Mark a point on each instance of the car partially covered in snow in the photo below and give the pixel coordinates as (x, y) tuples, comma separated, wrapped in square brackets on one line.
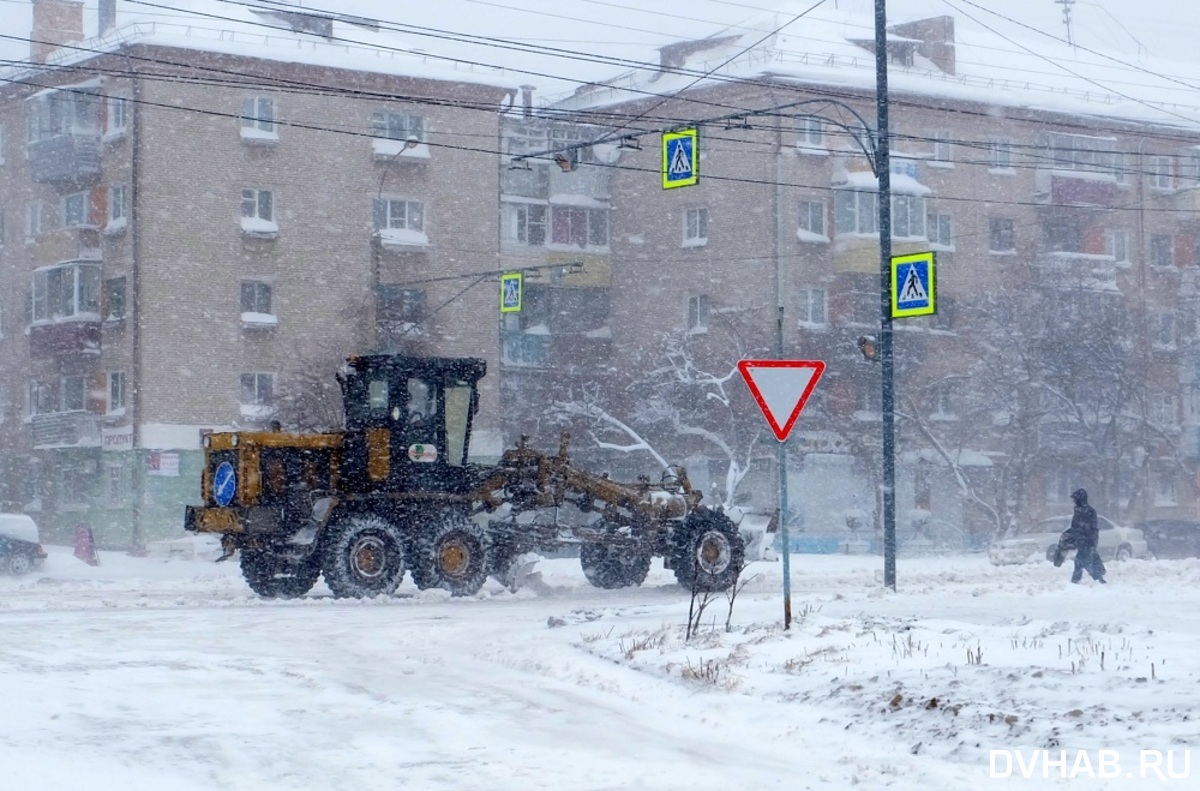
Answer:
[(20, 546), (1040, 540)]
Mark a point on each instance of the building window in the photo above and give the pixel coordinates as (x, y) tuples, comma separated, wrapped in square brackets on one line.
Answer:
[(1164, 488), (525, 223), (39, 399), (34, 214), (1001, 235), (571, 225), (258, 213), (1162, 249), (943, 149), (117, 116), (118, 206), (943, 402), (257, 394), (812, 307), (400, 214), (810, 132), (1162, 173), (1164, 330), (698, 307), (940, 230), (256, 303), (63, 112), (66, 291), (1062, 236), (401, 312), (1000, 152), (116, 393), (908, 217), (695, 228), (1081, 153), (259, 118), (868, 402), (114, 299), (74, 394), (812, 220), (856, 211), (1116, 244), (74, 210), (398, 126)]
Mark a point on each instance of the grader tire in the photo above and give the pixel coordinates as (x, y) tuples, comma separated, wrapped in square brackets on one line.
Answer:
[(707, 552), (614, 566), (274, 577), (452, 554), (363, 557)]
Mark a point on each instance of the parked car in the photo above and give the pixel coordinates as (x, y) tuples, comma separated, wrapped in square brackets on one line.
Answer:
[(1040, 540), (1172, 538), (20, 547)]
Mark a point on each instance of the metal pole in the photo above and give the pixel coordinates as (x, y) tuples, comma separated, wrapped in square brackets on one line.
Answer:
[(883, 168), (783, 498)]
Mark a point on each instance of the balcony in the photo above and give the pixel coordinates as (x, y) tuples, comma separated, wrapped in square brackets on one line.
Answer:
[(66, 430), (58, 338), (1077, 188), (65, 158)]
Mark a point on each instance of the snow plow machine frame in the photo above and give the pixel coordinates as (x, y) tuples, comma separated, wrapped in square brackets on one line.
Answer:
[(394, 493)]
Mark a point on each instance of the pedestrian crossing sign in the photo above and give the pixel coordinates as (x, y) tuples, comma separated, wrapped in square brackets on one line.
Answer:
[(510, 292), (680, 158), (914, 285)]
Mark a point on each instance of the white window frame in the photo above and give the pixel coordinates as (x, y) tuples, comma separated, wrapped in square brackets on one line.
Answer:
[(1000, 155), (262, 393), (116, 110), (108, 300), (403, 214), (699, 312), (259, 210), (813, 220), (114, 393), (939, 228), (813, 308), (810, 135), (39, 398), (595, 227), (1162, 172), (397, 125), (35, 213), (1116, 244), (856, 212), (259, 119), (695, 227), (116, 484), (908, 211), (868, 403), (118, 207), (259, 309), (74, 209), (526, 224), (73, 285), (73, 389), (943, 149)]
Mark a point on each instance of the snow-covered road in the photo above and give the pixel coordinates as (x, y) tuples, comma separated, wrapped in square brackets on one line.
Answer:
[(167, 674)]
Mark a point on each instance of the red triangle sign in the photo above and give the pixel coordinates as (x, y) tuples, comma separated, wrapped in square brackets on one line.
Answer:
[(781, 388)]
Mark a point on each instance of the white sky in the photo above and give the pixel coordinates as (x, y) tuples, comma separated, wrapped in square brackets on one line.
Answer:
[(632, 30), (167, 675)]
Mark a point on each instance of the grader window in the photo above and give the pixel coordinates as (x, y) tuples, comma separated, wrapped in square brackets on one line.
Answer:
[(377, 395), (422, 401)]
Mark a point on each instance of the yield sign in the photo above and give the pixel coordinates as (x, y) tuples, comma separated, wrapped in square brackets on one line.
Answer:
[(781, 388)]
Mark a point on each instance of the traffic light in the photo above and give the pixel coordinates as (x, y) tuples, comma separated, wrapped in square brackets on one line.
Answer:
[(869, 347)]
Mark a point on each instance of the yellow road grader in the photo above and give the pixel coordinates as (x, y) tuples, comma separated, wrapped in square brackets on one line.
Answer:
[(394, 492)]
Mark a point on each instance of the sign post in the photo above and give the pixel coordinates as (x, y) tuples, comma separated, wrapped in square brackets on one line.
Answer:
[(782, 388)]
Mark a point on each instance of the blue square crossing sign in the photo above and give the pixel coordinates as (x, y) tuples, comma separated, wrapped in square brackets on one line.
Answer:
[(680, 158), (510, 292), (914, 285)]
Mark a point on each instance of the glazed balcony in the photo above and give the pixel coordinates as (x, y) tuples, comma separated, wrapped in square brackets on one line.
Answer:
[(76, 429), (64, 158)]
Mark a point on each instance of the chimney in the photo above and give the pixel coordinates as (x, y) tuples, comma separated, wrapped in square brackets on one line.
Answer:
[(527, 101), (55, 22), (937, 39), (107, 16)]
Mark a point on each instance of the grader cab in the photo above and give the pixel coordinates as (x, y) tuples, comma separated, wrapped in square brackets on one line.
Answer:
[(395, 493)]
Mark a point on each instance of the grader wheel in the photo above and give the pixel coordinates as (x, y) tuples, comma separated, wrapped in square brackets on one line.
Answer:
[(364, 557), (452, 554), (273, 576), (614, 566)]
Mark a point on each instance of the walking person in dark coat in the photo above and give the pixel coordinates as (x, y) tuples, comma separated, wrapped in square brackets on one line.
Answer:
[(1082, 536)]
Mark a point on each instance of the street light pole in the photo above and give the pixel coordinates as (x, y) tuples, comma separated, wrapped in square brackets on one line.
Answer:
[(883, 168)]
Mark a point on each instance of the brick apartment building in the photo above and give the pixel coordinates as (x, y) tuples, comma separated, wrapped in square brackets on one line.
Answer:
[(1057, 229), (193, 214)]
